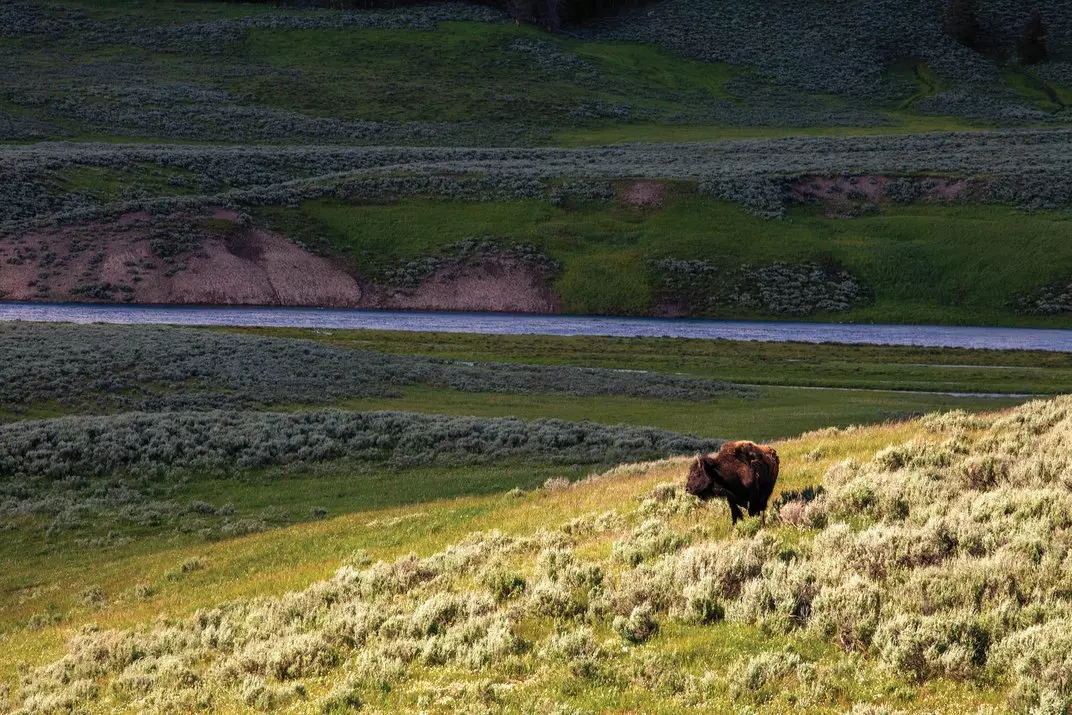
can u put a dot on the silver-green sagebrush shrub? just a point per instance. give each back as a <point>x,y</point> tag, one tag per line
<point>503,583</point>
<point>344,698</point>
<point>728,565</point>
<point>639,626</point>
<point>779,600</point>
<point>702,601</point>
<point>555,600</point>
<point>804,514</point>
<point>652,538</point>
<point>1039,660</point>
<point>952,643</point>
<point>848,612</point>
<point>289,657</point>
<point>669,500</point>
<point>759,679</point>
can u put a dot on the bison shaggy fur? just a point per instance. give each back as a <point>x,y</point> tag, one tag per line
<point>743,473</point>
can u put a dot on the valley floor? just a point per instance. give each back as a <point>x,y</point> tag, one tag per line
<point>540,573</point>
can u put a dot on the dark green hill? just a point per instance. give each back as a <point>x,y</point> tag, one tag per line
<point>450,74</point>
<point>880,168</point>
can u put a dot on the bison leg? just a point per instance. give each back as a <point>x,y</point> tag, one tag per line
<point>735,509</point>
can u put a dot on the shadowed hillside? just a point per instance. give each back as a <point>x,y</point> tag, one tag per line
<point>830,160</point>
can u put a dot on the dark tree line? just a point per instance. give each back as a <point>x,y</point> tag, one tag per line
<point>547,13</point>
<point>961,22</point>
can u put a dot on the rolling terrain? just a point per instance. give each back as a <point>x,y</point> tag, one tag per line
<point>902,585</point>
<point>245,520</point>
<point>667,161</point>
<point>198,468</point>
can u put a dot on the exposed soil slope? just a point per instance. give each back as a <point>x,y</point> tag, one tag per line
<point>219,260</point>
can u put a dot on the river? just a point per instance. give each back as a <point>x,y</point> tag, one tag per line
<point>524,324</point>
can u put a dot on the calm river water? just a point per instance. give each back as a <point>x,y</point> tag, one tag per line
<point>502,323</point>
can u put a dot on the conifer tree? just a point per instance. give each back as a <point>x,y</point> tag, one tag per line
<point>1031,46</point>
<point>962,21</point>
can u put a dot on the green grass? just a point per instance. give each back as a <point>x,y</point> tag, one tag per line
<point>655,67</point>
<point>748,362</point>
<point>1034,89</point>
<point>400,75</point>
<point>772,413</point>
<point>47,575</point>
<point>901,122</point>
<point>445,75</point>
<point>460,72</point>
<point>109,184</point>
<point>925,263</point>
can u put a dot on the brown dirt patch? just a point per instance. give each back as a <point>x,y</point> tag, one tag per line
<point>491,285</point>
<point>870,188</point>
<point>116,261</point>
<point>647,194</point>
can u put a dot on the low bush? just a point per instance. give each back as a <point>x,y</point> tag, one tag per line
<point>701,288</point>
<point>640,626</point>
<point>962,588</point>
<point>79,463</point>
<point>140,367</point>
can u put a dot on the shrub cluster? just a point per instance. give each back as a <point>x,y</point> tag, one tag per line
<point>1029,168</point>
<point>449,260</point>
<point>143,367</point>
<point>73,448</point>
<point>551,58</point>
<point>19,19</point>
<point>112,461</point>
<point>700,288</point>
<point>929,571</point>
<point>837,47</point>
<point>1054,299</point>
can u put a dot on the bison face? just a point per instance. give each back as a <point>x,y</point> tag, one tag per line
<point>699,481</point>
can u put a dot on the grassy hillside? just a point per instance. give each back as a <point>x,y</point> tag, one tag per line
<point>456,73</point>
<point>844,161</point>
<point>921,264</point>
<point>904,585</point>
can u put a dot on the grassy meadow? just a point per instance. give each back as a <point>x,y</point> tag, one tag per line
<point>630,79</point>
<point>558,596</point>
<point>923,263</point>
<point>253,520</point>
<point>192,514</point>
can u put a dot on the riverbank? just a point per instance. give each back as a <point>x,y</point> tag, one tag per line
<point>990,338</point>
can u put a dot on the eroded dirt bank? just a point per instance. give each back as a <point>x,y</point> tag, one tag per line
<point>222,259</point>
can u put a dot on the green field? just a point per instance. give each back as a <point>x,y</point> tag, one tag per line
<point>253,520</point>
<point>688,665</point>
<point>518,83</point>
<point>924,264</point>
<point>875,367</point>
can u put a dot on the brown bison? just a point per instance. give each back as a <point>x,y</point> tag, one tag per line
<point>743,473</point>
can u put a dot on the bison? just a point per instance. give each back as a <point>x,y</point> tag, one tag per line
<point>742,472</point>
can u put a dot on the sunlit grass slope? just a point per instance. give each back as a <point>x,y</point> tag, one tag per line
<point>929,575</point>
